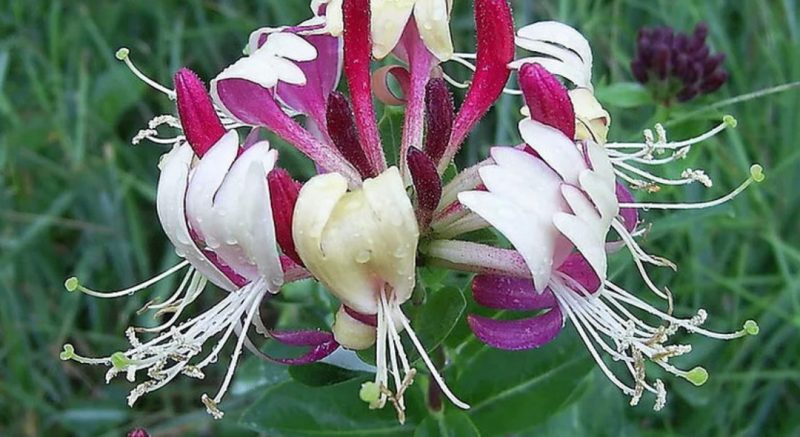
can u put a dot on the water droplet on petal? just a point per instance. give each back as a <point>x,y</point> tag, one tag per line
<point>363,257</point>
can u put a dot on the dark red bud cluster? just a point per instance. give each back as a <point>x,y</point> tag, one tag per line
<point>677,65</point>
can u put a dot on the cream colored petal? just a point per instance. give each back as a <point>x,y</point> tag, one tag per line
<point>592,120</point>
<point>433,22</point>
<point>351,333</point>
<point>389,18</point>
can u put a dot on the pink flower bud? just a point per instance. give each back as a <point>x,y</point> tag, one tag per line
<point>200,122</point>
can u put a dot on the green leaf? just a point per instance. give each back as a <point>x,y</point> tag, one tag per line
<point>390,127</point>
<point>624,95</point>
<point>321,374</point>
<point>512,391</point>
<point>453,423</point>
<point>292,409</point>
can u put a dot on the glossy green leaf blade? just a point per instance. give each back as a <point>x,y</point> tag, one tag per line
<point>512,391</point>
<point>292,409</point>
<point>453,423</point>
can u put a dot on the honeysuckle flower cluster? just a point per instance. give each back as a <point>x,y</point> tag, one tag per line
<point>562,199</point>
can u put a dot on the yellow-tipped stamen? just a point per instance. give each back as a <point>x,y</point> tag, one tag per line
<point>73,284</point>
<point>756,175</point>
<point>123,55</point>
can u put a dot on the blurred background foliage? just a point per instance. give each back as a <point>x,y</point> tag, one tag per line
<point>77,198</point>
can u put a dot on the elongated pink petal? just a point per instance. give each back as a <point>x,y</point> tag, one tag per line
<point>256,105</point>
<point>200,122</point>
<point>547,99</point>
<point>420,62</point>
<point>302,338</point>
<point>577,268</point>
<point>322,344</point>
<point>342,129</point>
<point>315,354</point>
<point>508,293</point>
<point>629,215</point>
<point>357,57</point>
<point>518,334</point>
<point>495,33</point>
<point>440,113</point>
<point>427,185</point>
<point>283,192</point>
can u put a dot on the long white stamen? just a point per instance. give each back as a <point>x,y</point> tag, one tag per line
<point>123,55</point>
<point>395,371</point>
<point>73,284</point>
<point>174,296</point>
<point>237,351</point>
<point>435,373</point>
<point>463,61</point>
<point>624,296</point>
<point>193,292</point>
<point>727,122</point>
<point>381,377</point>
<point>756,175</point>
<point>566,308</point>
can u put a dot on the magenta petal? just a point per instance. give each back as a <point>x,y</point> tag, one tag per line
<point>440,113</point>
<point>322,75</point>
<point>315,354</point>
<point>200,122</point>
<point>357,57</point>
<point>629,215</point>
<point>342,130</point>
<point>507,293</point>
<point>577,268</point>
<point>420,62</point>
<point>518,334</point>
<point>495,33</point>
<point>255,105</point>
<point>302,338</point>
<point>547,99</point>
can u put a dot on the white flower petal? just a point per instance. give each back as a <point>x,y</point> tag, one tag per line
<point>256,69</point>
<point>242,217</point>
<point>170,204</point>
<point>551,38</point>
<point>205,180</point>
<point>588,242</point>
<point>558,151</point>
<point>290,46</point>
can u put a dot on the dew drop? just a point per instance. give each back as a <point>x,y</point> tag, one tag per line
<point>363,257</point>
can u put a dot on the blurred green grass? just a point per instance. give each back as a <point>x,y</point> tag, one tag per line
<point>76,198</point>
